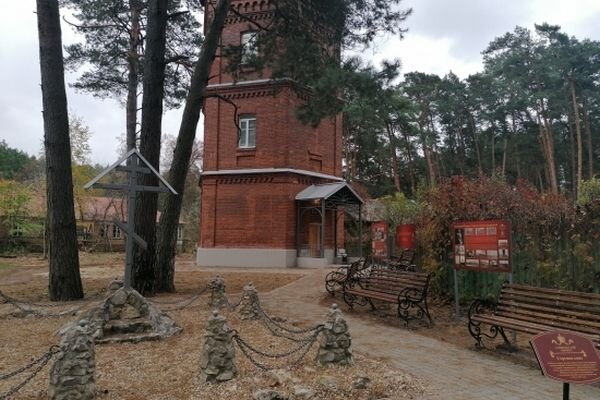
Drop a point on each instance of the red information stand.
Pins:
(483, 246)
(405, 236)
(567, 357)
(379, 234)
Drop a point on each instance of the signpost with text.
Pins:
(481, 246)
(567, 357)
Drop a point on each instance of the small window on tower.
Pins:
(247, 132)
(249, 48)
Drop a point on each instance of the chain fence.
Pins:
(36, 366)
(181, 303)
(251, 353)
(273, 325)
(233, 306)
(297, 335)
(29, 308)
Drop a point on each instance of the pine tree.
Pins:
(65, 279)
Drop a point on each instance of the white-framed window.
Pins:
(104, 230)
(249, 48)
(17, 230)
(116, 232)
(247, 132)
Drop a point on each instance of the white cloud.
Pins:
(444, 35)
(425, 54)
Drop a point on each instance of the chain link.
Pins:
(26, 307)
(247, 350)
(40, 362)
(185, 302)
(266, 322)
(265, 317)
(11, 300)
(234, 306)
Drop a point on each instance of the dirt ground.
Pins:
(27, 277)
(169, 369)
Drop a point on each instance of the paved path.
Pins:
(450, 372)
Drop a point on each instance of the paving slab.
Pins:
(450, 372)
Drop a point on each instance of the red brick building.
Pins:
(272, 192)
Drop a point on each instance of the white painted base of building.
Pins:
(259, 258)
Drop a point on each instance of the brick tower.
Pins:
(254, 178)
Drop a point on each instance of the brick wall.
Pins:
(254, 211)
(282, 141)
(259, 211)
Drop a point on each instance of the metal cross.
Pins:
(136, 164)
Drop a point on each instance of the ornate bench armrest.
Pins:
(413, 295)
(480, 306)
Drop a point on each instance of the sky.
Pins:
(443, 36)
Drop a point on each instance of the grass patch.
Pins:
(5, 266)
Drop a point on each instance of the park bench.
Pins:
(404, 261)
(407, 289)
(534, 310)
(334, 281)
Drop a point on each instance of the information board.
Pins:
(379, 234)
(482, 246)
(567, 357)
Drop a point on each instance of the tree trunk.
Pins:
(413, 184)
(63, 260)
(588, 134)
(144, 278)
(133, 61)
(169, 220)
(493, 143)
(477, 150)
(574, 187)
(394, 154)
(548, 146)
(428, 160)
(578, 135)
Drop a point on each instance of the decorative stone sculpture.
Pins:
(115, 285)
(73, 374)
(126, 316)
(217, 362)
(218, 298)
(249, 307)
(335, 340)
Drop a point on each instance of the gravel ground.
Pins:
(169, 369)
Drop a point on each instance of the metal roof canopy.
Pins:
(339, 192)
(136, 164)
(334, 197)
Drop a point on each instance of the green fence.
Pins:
(559, 268)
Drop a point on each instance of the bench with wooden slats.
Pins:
(407, 289)
(404, 261)
(534, 310)
(334, 281)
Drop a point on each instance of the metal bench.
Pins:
(407, 289)
(535, 310)
(404, 261)
(334, 281)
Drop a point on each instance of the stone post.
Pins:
(73, 374)
(335, 340)
(249, 308)
(218, 298)
(217, 362)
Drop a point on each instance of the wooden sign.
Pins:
(482, 246)
(567, 357)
